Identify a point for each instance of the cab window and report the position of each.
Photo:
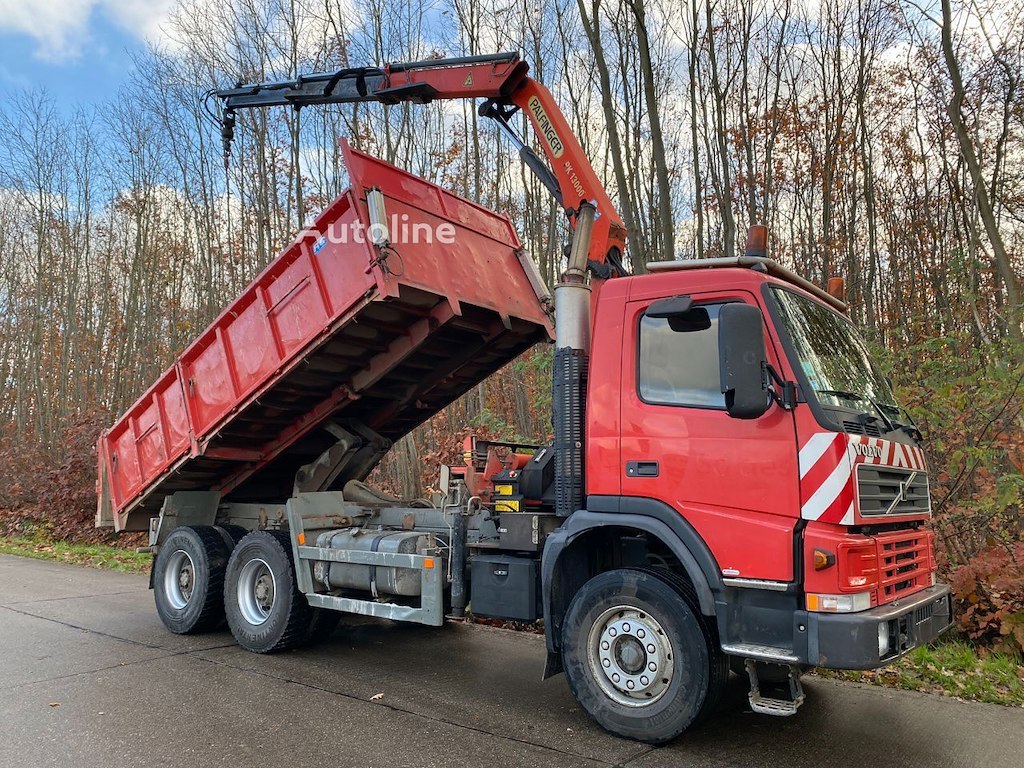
(678, 359)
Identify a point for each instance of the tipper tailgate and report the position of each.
(329, 329)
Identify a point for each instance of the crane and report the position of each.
(503, 82)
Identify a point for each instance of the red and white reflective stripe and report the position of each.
(814, 449)
(826, 479)
(888, 453)
(828, 462)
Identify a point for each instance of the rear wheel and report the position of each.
(265, 609)
(637, 657)
(235, 533)
(188, 579)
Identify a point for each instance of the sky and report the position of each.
(79, 51)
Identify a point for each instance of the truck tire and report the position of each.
(265, 609)
(719, 662)
(188, 580)
(638, 657)
(234, 533)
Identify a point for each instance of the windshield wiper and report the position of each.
(890, 426)
(908, 428)
(845, 394)
(860, 397)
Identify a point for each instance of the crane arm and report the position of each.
(503, 81)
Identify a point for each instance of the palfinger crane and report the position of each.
(503, 82)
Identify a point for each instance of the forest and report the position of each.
(880, 141)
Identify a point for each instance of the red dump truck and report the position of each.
(731, 483)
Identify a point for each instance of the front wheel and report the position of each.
(637, 658)
(265, 609)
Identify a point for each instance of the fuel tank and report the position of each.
(388, 580)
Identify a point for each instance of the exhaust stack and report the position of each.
(569, 373)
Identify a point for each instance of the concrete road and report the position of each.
(89, 677)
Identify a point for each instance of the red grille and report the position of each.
(904, 564)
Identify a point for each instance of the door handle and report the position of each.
(641, 469)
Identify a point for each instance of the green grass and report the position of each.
(951, 668)
(92, 555)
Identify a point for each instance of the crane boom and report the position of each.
(503, 81)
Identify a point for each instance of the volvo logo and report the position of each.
(901, 494)
(905, 486)
(871, 451)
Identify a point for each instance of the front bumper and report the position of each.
(850, 640)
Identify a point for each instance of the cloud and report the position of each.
(62, 28)
(143, 18)
(7, 77)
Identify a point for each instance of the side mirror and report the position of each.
(665, 308)
(682, 316)
(742, 360)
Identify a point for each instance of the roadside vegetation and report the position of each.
(93, 555)
(951, 668)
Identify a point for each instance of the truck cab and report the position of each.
(798, 517)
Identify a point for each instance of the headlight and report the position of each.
(859, 601)
(883, 639)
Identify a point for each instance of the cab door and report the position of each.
(734, 480)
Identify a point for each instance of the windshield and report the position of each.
(832, 355)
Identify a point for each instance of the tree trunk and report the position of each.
(985, 210)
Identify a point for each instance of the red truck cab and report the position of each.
(802, 527)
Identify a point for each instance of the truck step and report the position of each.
(760, 653)
(767, 705)
(763, 705)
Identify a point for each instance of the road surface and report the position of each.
(89, 677)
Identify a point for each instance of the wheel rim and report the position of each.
(630, 656)
(179, 579)
(257, 591)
